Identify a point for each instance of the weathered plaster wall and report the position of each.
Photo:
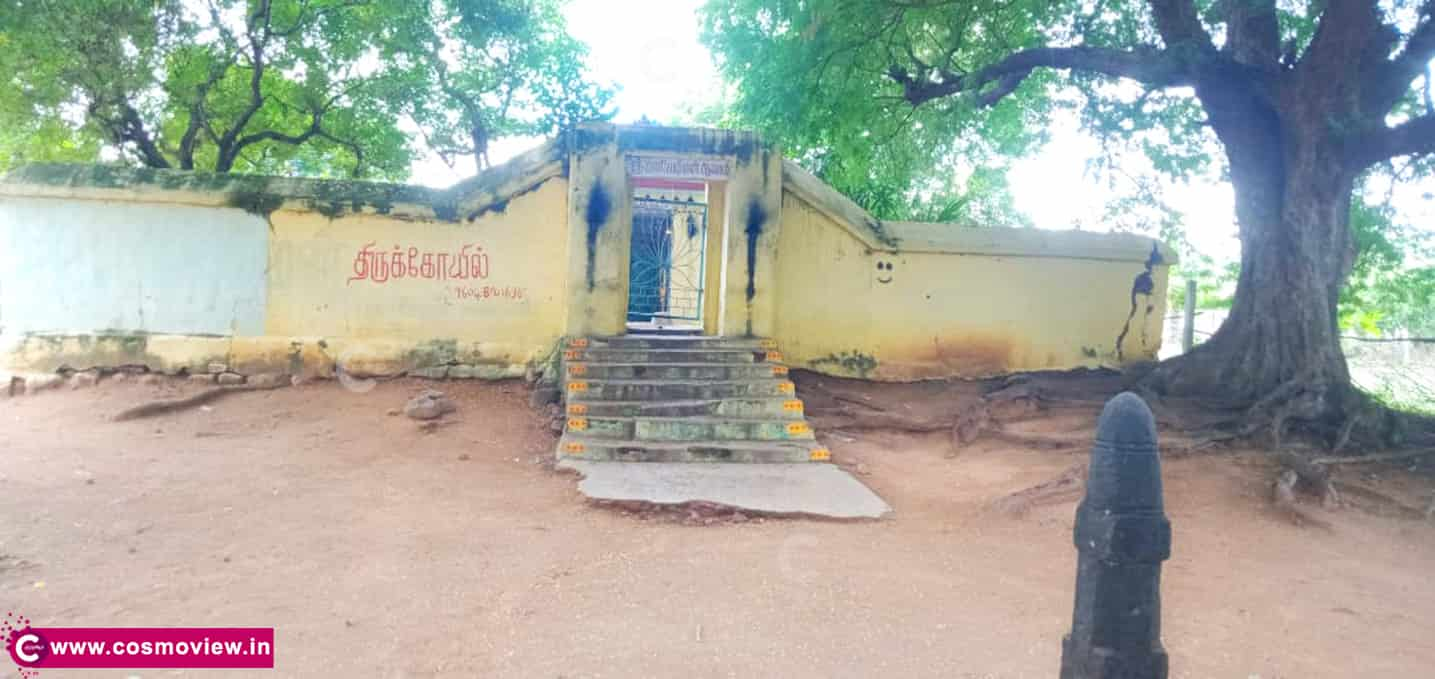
(600, 227)
(177, 271)
(82, 265)
(391, 295)
(713, 269)
(752, 210)
(986, 302)
(298, 280)
(600, 224)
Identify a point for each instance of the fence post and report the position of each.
(1188, 333)
(1122, 536)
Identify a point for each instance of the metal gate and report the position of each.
(666, 265)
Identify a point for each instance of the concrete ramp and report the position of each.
(819, 490)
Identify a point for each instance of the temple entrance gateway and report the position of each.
(667, 263)
(668, 269)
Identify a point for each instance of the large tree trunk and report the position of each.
(1279, 350)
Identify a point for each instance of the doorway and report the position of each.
(667, 265)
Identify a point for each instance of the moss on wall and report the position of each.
(851, 362)
(255, 194)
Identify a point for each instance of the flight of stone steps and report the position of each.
(666, 398)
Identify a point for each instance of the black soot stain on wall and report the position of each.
(600, 205)
(756, 217)
(1143, 285)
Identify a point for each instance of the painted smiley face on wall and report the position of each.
(884, 272)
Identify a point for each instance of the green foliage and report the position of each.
(1384, 292)
(814, 77)
(830, 78)
(1215, 284)
(293, 87)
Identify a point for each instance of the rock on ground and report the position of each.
(544, 394)
(83, 379)
(38, 383)
(430, 404)
(269, 380)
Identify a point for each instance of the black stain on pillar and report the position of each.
(1143, 285)
(756, 216)
(600, 205)
(1122, 535)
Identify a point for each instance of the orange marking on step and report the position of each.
(573, 448)
(577, 424)
(577, 369)
(577, 409)
(774, 356)
(798, 428)
(786, 388)
(779, 370)
(577, 386)
(820, 455)
(572, 354)
(578, 342)
(792, 406)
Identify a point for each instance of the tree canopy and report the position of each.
(871, 83)
(1297, 102)
(308, 87)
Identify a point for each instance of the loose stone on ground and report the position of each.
(430, 404)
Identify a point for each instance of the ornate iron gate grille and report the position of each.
(665, 279)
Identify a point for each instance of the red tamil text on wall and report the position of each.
(378, 266)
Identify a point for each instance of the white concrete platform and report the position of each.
(812, 489)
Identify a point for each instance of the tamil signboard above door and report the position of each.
(676, 167)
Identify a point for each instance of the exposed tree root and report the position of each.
(1018, 399)
(1283, 499)
(1039, 440)
(169, 405)
(1313, 478)
(1397, 456)
(1376, 502)
(1067, 486)
(1320, 408)
(856, 420)
(855, 401)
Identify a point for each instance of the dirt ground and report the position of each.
(378, 550)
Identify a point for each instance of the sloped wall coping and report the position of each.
(264, 194)
(961, 239)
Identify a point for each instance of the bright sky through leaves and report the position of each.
(650, 50)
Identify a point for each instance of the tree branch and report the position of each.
(1148, 66)
(198, 116)
(1349, 35)
(259, 34)
(1391, 79)
(1179, 23)
(354, 148)
(1426, 94)
(304, 19)
(316, 127)
(1413, 137)
(129, 128)
(1253, 33)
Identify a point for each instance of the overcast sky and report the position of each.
(650, 50)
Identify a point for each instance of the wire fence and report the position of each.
(1397, 370)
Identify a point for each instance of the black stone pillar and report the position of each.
(1121, 536)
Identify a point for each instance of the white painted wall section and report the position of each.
(81, 266)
